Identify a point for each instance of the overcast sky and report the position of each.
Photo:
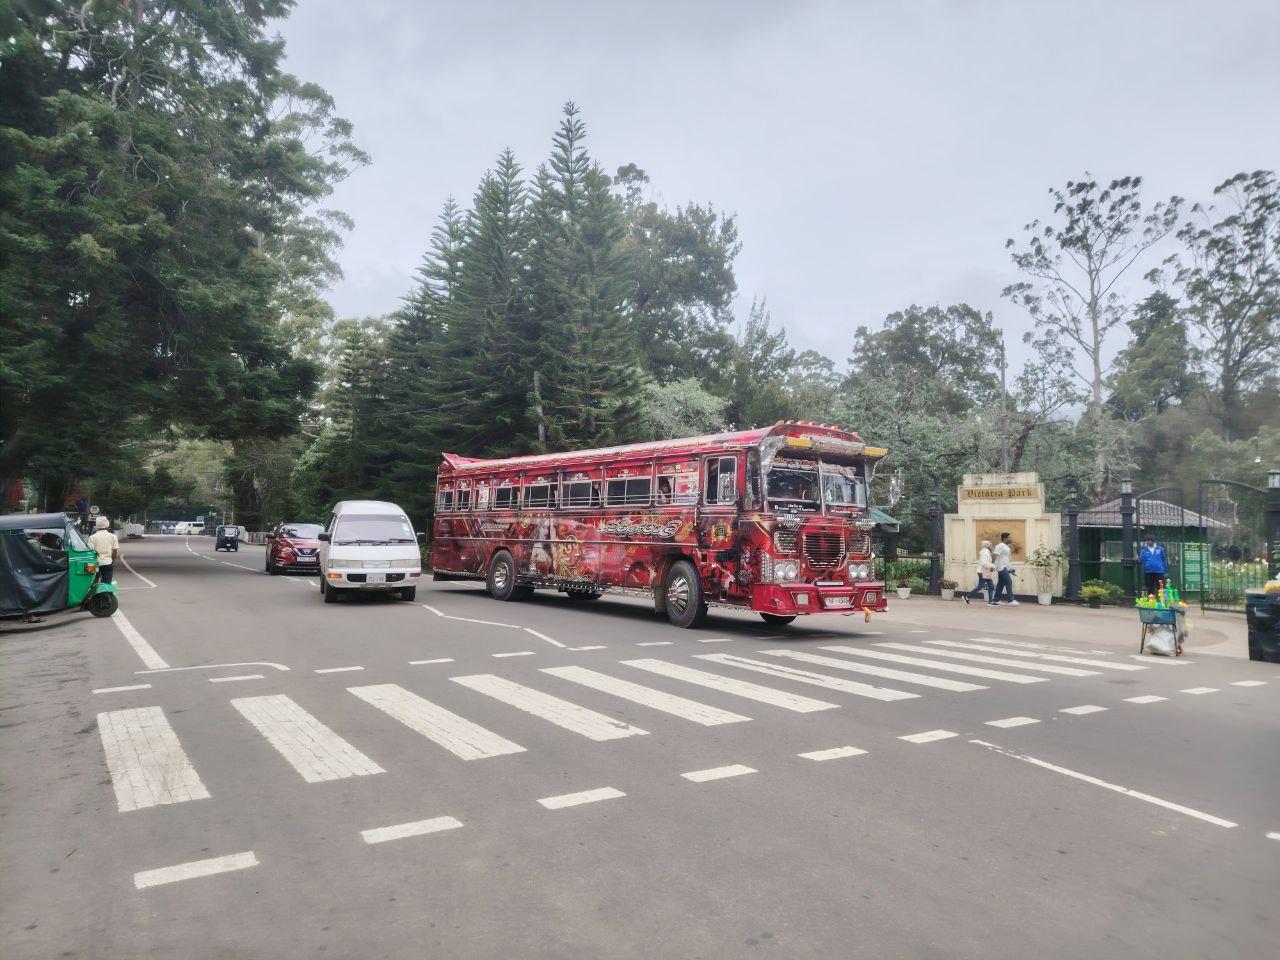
(876, 153)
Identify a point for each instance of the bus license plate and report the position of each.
(377, 578)
(839, 601)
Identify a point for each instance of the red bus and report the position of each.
(773, 520)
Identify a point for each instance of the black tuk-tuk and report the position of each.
(227, 538)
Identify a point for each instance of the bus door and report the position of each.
(717, 526)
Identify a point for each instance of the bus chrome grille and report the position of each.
(784, 541)
(823, 550)
(860, 545)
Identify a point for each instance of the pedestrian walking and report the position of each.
(1155, 564)
(986, 571)
(107, 546)
(1004, 572)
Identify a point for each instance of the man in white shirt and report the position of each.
(1004, 572)
(107, 546)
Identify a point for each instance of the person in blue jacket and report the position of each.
(1155, 566)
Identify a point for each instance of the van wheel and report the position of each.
(407, 594)
(330, 595)
(776, 619)
(104, 604)
(686, 606)
(501, 580)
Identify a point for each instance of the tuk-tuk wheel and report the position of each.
(104, 604)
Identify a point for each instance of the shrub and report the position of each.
(904, 581)
(1110, 592)
(947, 584)
(918, 585)
(1090, 594)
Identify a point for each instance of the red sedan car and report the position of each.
(293, 548)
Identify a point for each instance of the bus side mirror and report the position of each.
(324, 538)
(422, 536)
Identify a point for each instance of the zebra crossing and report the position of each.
(149, 767)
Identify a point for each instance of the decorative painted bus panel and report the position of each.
(774, 520)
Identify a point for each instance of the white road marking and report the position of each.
(1149, 698)
(1273, 836)
(715, 640)
(129, 567)
(1176, 807)
(1248, 683)
(871, 633)
(576, 799)
(311, 748)
(1027, 654)
(150, 659)
(942, 683)
(740, 688)
(598, 646)
(243, 676)
(542, 636)
(132, 686)
(485, 623)
(809, 677)
(215, 666)
(1012, 722)
(518, 653)
(1197, 691)
(835, 753)
(997, 661)
(717, 773)
(147, 764)
(1041, 646)
(655, 643)
(196, 868)
(419, 663)
(458, 735)
(939, 665)
(1082, 710)
(570, 716)
(917, 631)
(929, 736)
(339, 669)
(1167, 661)
(415, 829)
(646, 696)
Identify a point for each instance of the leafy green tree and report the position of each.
(1158, 367)
(1230, 278)
(1074, 264)
(938, 359)
(682, 408)
(751, 372)
(158, 173)
(682, 265)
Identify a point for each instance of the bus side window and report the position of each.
(464, 499)
(506, 498)
(446, 501)
(722, 480)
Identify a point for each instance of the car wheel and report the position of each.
(272, 568)
(501, 580)
(776, 619)
(329, 593)
(408, 594)
(686, 606)
(104, 604)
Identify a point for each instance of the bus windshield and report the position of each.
(794, 487)
(843, 486)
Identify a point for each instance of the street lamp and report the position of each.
(1127, 560)
(1126, 486)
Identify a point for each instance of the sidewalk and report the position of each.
(1225, 634)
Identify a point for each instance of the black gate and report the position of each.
(1235, 550)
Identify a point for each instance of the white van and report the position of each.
(369, 545)
(188, 528)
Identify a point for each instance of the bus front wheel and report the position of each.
(501, 581)
(686, 606)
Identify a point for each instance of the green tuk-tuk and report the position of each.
(46, 565)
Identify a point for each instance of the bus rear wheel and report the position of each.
(686, 606)
(501, 581)
(776, 619)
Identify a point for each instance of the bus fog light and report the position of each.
(802, 599)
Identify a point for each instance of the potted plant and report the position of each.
(904, 588)
(1048, 565)
(948, 588)
(1093, 596)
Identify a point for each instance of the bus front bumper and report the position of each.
(793, 599)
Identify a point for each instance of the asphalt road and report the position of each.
(213, 773)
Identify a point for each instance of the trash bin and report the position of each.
(1262, 611)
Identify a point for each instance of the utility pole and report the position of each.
(1004, 411)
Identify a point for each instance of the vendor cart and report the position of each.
(1173, 617)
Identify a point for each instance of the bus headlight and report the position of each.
(786, 571)
(859, 571)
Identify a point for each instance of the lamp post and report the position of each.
(1127, 559)
(935, 538)
(1273, 521)
(1073, 544)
